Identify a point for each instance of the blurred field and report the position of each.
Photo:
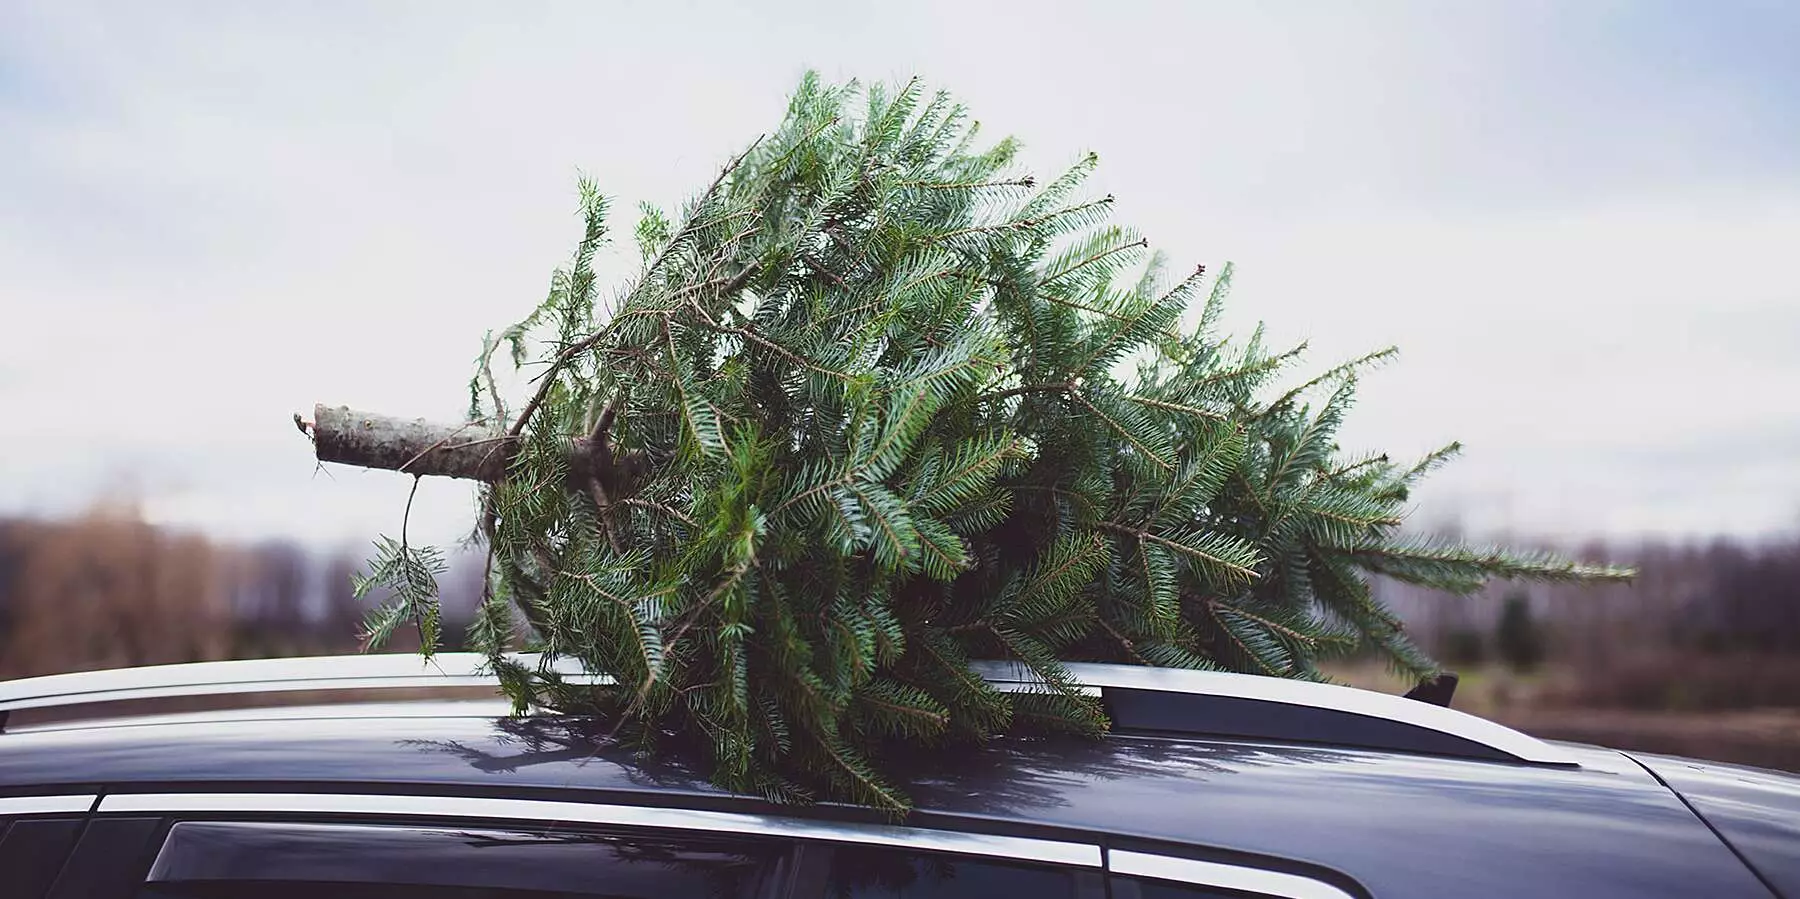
(1744, 710)
(1699, 657)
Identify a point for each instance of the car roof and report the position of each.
(1402, 824)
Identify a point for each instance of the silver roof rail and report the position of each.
(1312, 711)
(1230, 704)
(242, 676)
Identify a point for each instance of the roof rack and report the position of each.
(1139, 699)
(1142, 699)
(244, 676)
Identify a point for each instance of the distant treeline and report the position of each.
(106, 589)
(1712, 596)
(1705, 625)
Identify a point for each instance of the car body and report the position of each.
(1211, 785)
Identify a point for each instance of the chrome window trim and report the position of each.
(1226, 877)
(549, 811)
(1368, 703)
(44, 805)
(354, 672)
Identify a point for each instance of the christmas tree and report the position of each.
(878, 404)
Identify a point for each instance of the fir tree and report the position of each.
(878, 404)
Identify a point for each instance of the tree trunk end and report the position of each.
(412, 446)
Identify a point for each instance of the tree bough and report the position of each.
(879, 405)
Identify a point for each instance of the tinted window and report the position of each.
(205, 860)
(31, 852)
(325, 888)
(858, 873)
(1131, 888)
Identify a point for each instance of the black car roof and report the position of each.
(1400, 824)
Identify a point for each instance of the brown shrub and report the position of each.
(107, 590)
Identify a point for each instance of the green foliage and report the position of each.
(1517, 637)
(896, 406)
(408, 575)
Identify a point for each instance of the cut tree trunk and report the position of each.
(417, 446)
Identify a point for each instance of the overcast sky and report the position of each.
(1577, 220)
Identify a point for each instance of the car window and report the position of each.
(325, 888)
(31, 852)
(1132, 888)
(865, 873)
(262, 860)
